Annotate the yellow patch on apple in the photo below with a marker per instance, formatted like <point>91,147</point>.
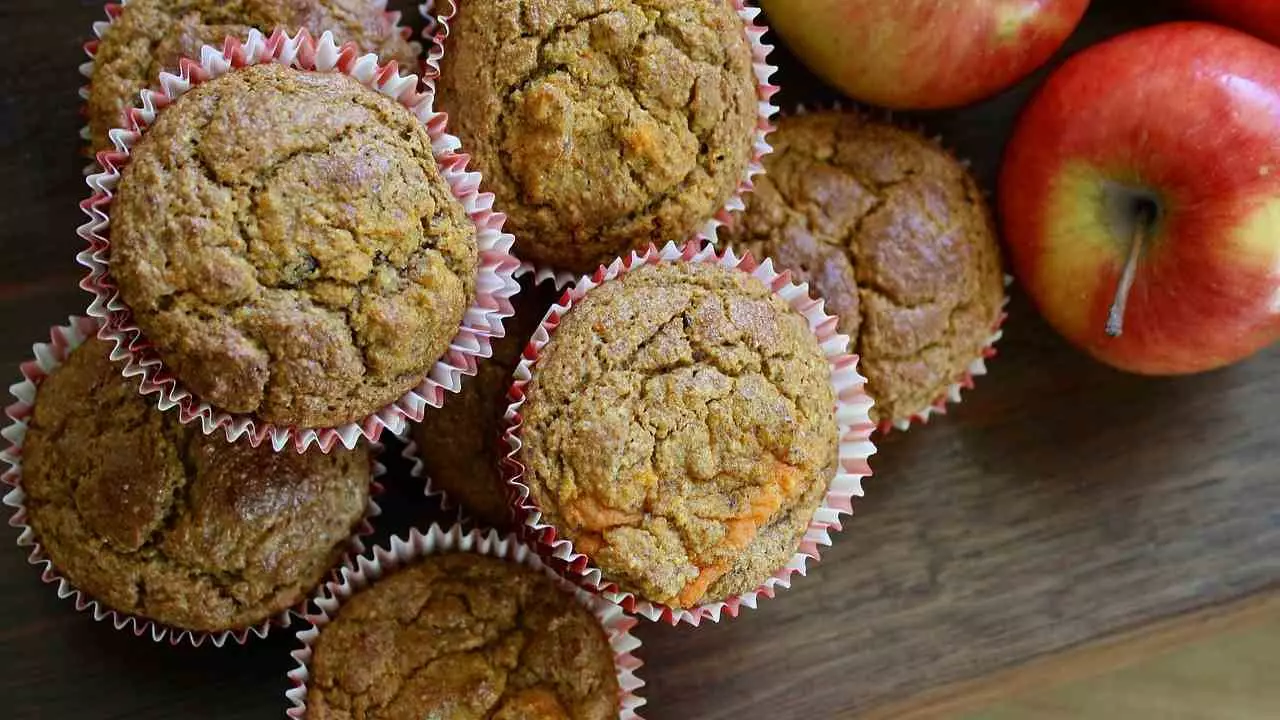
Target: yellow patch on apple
<point>1259,234</point>
<point>1259,239</point>
<point>1079,238</point>
<point>1011,17</point>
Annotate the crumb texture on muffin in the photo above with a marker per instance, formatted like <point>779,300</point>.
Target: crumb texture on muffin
<point>462,636</point>
<point>152,35</point>
<point>602,125</point>
<point>287,243</point>
<point>895,235</point>
<point>460,444</point>
<point>680,430</point>
<point>154,519</point>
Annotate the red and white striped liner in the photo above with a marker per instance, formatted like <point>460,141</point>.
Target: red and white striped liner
<point>495,283</point>
<point>434,50</point>
<point>437,541</point>
<point>437,34</point>
<point>560,278</point>
<point>47,357</point>
<point>113,10</point>
<point>852,413</point>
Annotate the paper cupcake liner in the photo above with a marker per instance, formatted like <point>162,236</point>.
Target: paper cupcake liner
<point>562,279</point>
<point>434,46</point>
<point>47,357</point>
<point>418,471</point>
<point>113,10</point>
<point>437,33</point>
<point>851,411</point>
<point>495,283</point>
<point>435,541</point>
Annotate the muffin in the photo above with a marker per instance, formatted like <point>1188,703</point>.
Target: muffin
<point>462,636</point>
<point>152,35</point>
<point>460,445</point>
<point>287,244</point>
<point>602,126</point>
<point>153,519</point>
<point>895,235</point>
<point>679,429</point>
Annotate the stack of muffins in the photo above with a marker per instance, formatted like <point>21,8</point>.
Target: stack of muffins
<point>288,256</point>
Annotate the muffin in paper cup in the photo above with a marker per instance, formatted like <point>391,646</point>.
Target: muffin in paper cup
<point>113,11</point>
<point>853,430</point>
<point>403,553</point>
<point>893,231</point>
<point>978,367</point>
<point>48,357</point>
<point>494,283</point>
<point>439,14</point>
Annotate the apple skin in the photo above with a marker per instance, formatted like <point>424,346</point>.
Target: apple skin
<point>1258,17</point>
<point>1188,115</point>
<point>923,54</point>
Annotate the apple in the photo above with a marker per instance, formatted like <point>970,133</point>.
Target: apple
<point>1140,198</point>
<point>1260,17</point>
<point>923,54</point>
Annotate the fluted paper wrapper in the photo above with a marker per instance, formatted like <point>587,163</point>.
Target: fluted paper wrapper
<point>418,471</point>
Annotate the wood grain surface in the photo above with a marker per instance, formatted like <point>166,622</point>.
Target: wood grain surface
<point>1127,663</point>
<point>1062,503</point>
<point>1215,665</point>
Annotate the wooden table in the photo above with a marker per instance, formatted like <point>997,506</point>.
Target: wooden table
<point>1063,517</point>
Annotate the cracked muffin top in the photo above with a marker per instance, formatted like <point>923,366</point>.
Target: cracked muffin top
<point>287,243</point>
<point>460,444</point>
<point>601,125</point>
<point>463,636</point>
<point>152,35</point>
<point>680,430</point>
<point>895,235</point>
<point>152,518</point>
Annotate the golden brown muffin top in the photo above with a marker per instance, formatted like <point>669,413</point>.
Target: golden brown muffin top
<point>460,444</point>
<point>894,234</point>
<point>602,125</point>
<point>152,518</point>
<point>463,636</point>
<point>152,35</point>
<point>286,241</point>
<point>680,430</point>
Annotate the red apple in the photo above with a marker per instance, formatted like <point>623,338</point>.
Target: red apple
<point>1147,170</point>
<point>1260,17</point>
<point>921,54</point>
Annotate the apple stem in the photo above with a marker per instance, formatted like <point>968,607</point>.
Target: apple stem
<point>1115,319</point>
